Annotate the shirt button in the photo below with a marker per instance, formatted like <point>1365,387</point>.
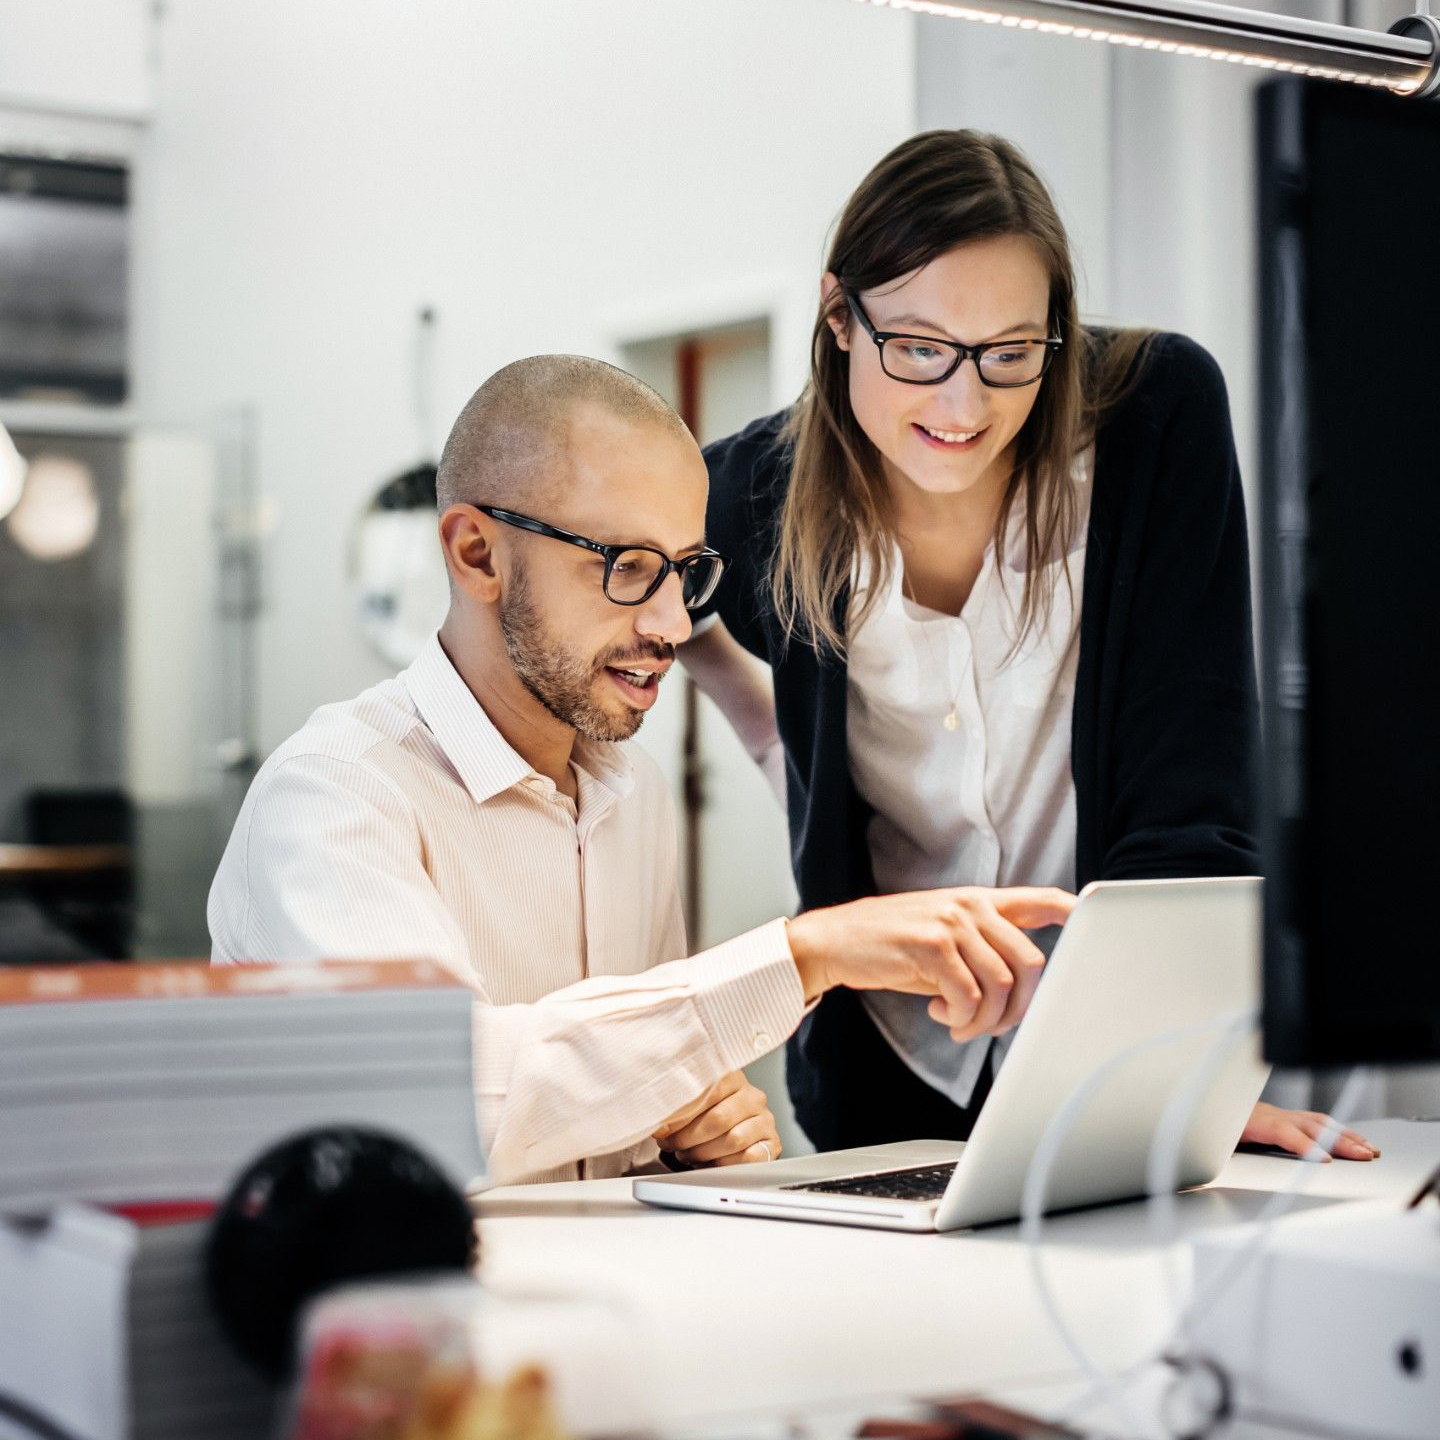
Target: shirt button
<point>762,1039</point>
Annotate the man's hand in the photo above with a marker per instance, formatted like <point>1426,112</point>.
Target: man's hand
<point>1298,1131</point>
<point>730,1124</point>
<point>967,948</point>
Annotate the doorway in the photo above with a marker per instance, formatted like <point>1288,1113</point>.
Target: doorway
<point>734,844</point>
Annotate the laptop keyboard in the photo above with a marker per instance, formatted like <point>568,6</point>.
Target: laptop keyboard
<point>928,1182</point>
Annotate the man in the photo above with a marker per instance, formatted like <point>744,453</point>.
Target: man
<point>480,809</point>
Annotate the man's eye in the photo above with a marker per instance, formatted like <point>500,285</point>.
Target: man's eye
<point>624,567</point>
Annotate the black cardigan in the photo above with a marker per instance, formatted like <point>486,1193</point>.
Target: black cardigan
<point>1164,727</point>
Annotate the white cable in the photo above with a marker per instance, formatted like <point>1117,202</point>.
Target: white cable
<point>1180,1350</point>
<point>1275,1208</point>
<point>1162,1179</point>
<point>1037,1179</point>
<point>1162,1169</point>
<point>1270,1214</point>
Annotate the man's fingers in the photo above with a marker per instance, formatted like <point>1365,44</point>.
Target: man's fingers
<point>719,1119</point>
<point>960,994</point>
<point>1025,959</point>
<point>943,975</point>
<point>735,1141</point>
<point>756,1154</point>
<point>725,1085</point>
<point>1032,907</point>
<point>994,977</point>
<point>683,1117</point>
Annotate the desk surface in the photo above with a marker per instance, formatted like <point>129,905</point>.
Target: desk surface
<point>734,1315</point>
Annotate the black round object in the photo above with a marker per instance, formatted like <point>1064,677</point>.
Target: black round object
<point>320,1209</point>
<point>414,489</point>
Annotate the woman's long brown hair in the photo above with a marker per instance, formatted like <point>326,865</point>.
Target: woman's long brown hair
<point>931,193</point>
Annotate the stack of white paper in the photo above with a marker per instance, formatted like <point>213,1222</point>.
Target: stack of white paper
<point>131,1097</point>
<point>128,1083</point>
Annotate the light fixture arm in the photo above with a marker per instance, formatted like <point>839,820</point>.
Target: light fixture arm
<point>1403,60</point>
<point>1422,25</point>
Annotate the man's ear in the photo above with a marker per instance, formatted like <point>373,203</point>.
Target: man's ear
<point>838,317</point>
<point>467,536</point>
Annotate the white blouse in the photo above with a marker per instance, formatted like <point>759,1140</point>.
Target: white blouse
<point>963,750</point>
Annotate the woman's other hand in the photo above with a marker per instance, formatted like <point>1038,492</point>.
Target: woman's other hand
<point>1299,1132</point>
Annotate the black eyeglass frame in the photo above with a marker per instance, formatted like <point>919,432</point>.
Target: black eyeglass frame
<point>962,352</point>
<point>612,553</point>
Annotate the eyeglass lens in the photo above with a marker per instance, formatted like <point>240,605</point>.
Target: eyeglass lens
<point>636,573</point>
<point>910,359</point>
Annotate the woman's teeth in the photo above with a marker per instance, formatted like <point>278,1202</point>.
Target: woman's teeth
<point>951,437</point>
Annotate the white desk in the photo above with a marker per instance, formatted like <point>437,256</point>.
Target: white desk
<point>722,1315</point>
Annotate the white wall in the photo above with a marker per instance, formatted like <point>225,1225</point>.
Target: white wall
<point>83,56</point>
<point>315,173</point>
<point>170,619</point>
<point>1048,94</point>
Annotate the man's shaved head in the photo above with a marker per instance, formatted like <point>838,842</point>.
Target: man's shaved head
<point>509,445</point>
<point>533,627</point>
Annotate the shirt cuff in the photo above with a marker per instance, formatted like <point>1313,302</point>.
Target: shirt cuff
<point>748,994</point>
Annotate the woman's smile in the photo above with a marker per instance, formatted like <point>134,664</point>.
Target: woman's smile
<point>955,442</point>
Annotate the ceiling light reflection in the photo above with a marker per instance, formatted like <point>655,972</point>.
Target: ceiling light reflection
<point>58,514</point>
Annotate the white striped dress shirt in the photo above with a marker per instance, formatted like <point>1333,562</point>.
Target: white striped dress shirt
<point>401,823</point>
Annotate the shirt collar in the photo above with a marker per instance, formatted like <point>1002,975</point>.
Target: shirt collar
<point>482,757</point>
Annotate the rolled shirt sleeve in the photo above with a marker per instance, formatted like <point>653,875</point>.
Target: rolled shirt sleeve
<point>327,861</point>
<point>597,1066</point>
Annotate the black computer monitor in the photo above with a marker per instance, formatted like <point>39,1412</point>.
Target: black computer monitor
<point>1350,550</point>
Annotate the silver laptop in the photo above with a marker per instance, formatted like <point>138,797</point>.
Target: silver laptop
<point>1136,959</point>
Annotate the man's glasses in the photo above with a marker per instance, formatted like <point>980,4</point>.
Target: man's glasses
<point>633,573</point>
<point>922,360</point>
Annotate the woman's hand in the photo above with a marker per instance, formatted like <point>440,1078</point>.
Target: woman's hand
<point>1298,1131</point>
<point>730,1124</point>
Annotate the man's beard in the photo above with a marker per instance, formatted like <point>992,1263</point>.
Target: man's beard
<point>562,681</point>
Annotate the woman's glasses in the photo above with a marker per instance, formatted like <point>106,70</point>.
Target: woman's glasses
<point>923,360</point>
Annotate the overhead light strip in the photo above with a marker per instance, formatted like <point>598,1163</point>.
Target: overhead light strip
<point>1403,62</point>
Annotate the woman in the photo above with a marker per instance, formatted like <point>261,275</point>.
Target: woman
<point>996,563</point>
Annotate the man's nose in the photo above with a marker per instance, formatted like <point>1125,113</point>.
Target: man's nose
<point>664,616</point>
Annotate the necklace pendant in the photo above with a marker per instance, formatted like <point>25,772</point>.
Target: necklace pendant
<point>951,721</point>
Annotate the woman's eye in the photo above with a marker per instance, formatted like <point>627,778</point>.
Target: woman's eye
<point>1009,357</point>
<point>922,354</point>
